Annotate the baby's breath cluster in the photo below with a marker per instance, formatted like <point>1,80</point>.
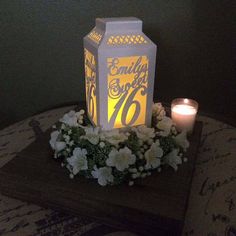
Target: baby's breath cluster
<point>119,155</point>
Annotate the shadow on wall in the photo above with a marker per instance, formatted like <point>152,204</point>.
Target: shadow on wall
<point>42,51</point>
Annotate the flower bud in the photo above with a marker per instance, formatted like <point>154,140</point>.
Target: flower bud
<point>141,168</point>
<point>102,144</point>
<point>71,176</point>
<point>131,183</point>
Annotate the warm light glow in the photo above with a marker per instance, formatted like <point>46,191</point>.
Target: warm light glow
<point>184,109</point>
<point>90,80</point>
<point>127,90</point>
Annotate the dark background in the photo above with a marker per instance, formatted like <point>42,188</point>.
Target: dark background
<point>42,51</point>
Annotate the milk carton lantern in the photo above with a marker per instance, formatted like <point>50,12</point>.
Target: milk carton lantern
<point>119,73</point>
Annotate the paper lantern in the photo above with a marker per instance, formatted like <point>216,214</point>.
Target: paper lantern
<point>119,73</point>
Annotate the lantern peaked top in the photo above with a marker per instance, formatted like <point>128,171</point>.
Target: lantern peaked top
<point>119,24</point>
<point>119,73</point>
<point>118,31</point>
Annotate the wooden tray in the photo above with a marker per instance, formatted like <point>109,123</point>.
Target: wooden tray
<point>155,205</point>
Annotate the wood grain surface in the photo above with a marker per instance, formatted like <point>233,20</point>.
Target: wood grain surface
<point>154,206</point>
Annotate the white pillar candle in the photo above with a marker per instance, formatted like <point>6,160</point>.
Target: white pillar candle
<point>183,113</point>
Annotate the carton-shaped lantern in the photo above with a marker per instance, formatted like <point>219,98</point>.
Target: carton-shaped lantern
<point>119,72</point>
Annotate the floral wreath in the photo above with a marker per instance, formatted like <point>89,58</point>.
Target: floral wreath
<point>119,155</point>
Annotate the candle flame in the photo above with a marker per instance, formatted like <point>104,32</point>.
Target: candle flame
<point>185,100</point>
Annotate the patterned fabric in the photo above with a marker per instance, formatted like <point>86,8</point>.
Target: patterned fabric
<point>212,204</point>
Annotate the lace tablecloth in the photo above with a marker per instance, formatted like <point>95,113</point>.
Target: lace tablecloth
<point>212,204</point>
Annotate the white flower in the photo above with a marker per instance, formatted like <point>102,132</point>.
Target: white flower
<point>59,146</point>
<point>70,119</point>
<point>141,168</point>
<point>136,175</point>
<point>150,141</point>
<point>158,111</point>
<point>71,143</point>
<point>153,155</point>
<point>79,116</point>
<point>78,161</point>
<point>80,112</point>
<point>91,134</point>
<point>121,159</point>
<point>102,144</point>
<point>144,133</point>
<point>103,174</point>
<point>181,140</point>
<point>114,137</point>
<point>131,183</point>
<point>66,138</point>
<point>133,170</point>
<point>56,145</point>
<point>174,130</point>
<point>165,126</point>
<point>140,142</point>
<point>140,155</point>
<point>173,159</point>
<point>54,136</point>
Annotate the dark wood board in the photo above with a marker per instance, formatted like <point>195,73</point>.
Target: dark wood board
<point>155,205</point>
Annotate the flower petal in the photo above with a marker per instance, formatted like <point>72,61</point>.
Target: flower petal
<point>59,146</point>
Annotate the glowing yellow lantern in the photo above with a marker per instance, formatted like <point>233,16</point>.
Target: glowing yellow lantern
<point>119,72</point>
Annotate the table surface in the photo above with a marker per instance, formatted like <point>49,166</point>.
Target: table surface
<point>212,204</point>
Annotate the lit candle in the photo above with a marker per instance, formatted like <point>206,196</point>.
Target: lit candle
<point>183,113</point>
